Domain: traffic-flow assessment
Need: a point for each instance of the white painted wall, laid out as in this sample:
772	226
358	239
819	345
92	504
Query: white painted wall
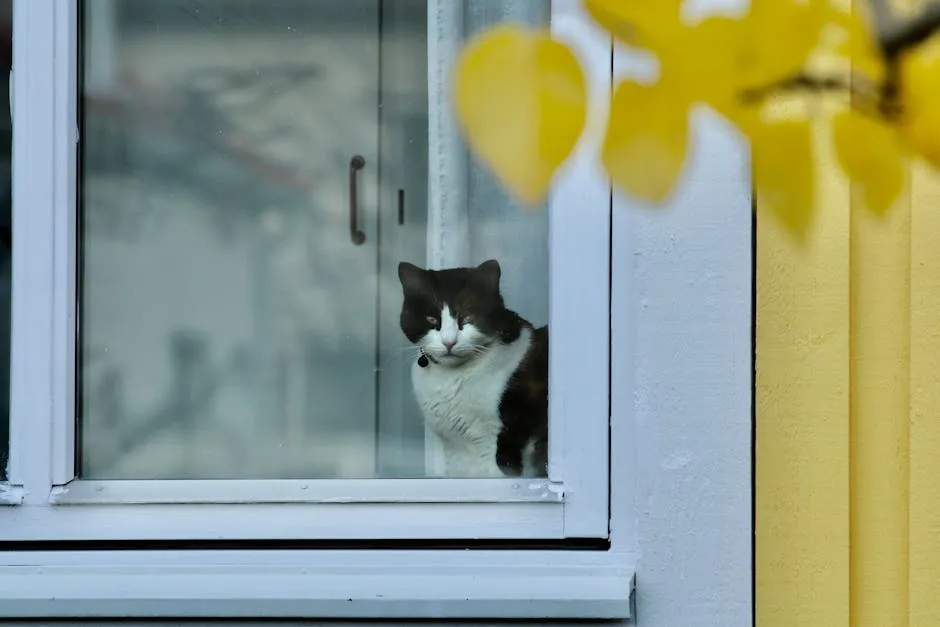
682	351
691	381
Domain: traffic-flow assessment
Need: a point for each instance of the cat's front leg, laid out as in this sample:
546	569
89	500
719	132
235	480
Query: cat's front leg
509	446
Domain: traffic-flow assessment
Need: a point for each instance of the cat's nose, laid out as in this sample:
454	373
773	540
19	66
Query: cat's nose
449	345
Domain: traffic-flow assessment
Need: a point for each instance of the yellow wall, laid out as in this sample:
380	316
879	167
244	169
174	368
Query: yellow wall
848	413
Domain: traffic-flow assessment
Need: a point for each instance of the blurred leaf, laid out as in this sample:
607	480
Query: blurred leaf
647	139
858	43
775	39
919	123
869	152
703	64
784	173
651	24
521	100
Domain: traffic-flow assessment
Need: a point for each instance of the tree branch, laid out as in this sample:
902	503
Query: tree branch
895	38
795	83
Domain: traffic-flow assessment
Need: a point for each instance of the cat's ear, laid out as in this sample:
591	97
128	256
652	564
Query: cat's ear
488	274
413	278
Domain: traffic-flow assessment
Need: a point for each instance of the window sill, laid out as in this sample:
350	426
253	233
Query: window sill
343	584
181	492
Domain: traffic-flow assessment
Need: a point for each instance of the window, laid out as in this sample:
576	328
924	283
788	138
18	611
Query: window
233	325
225	292
209	375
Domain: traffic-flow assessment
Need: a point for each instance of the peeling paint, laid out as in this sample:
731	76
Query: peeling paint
58	491
11	494
549	491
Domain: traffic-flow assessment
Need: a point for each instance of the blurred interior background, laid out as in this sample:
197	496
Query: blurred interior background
232	324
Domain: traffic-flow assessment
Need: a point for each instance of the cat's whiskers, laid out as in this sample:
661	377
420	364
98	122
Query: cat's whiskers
479	349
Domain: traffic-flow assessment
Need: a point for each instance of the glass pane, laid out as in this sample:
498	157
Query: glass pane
253	173
6	223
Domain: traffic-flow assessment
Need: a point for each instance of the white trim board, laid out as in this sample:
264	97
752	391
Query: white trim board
296	584
682	393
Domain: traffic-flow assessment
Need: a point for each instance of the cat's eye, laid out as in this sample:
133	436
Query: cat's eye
431	320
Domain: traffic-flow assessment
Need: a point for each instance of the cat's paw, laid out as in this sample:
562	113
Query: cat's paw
509	461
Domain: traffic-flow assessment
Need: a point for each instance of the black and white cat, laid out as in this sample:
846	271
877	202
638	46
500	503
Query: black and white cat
481	379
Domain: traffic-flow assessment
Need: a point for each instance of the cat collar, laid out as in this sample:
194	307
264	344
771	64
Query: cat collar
424	360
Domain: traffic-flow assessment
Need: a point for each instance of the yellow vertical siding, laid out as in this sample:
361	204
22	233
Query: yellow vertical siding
848	413
802	406
924	490
879	378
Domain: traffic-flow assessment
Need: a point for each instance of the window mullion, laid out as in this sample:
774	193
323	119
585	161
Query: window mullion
65	241
579	229
34	399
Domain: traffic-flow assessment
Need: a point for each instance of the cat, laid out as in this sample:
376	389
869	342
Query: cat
481	378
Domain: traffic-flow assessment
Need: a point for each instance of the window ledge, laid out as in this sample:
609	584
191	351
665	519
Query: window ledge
226	591
179	492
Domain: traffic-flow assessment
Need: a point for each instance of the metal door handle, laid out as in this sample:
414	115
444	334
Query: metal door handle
358	237
401	206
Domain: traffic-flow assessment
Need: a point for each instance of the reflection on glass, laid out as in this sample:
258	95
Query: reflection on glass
6	221
234	323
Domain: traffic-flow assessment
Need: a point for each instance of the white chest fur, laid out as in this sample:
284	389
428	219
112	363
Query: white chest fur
461	406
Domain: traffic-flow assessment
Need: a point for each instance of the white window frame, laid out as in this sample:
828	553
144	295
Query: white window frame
662	272
571	503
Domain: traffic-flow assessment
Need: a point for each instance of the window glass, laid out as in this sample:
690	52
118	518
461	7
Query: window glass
6	224
253	173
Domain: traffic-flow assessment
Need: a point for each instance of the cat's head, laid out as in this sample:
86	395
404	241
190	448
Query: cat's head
453	314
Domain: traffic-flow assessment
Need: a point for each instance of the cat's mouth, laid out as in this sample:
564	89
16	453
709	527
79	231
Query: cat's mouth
448	357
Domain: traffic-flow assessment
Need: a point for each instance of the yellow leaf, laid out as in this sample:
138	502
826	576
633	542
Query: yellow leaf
782	163
776	39
919	124
702	63
858	43
521	101
869	153
647	139
651	24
